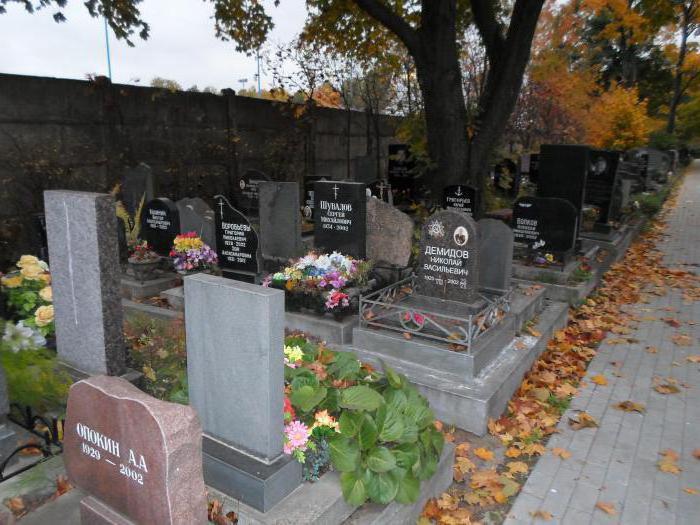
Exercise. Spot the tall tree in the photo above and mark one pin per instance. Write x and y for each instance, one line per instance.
(430, 30)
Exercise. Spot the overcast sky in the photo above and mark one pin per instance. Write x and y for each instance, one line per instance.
(181, 47)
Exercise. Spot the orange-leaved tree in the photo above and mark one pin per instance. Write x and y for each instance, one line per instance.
(617, 119)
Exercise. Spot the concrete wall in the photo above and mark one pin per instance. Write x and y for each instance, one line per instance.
(72, 134)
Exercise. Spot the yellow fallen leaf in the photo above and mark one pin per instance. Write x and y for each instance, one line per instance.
(561, 452)
(696, 453)
(667, 388)
(541, 515)
(447, 502)
(513, 452)
(484, 454)
(652, 349)
(583, 420)
(630, 406)
(693, 358)
(534, 449)
(517, 467)
(608, 508)
(691, 491)
(533, 332)
(682, 340)
(599, 379)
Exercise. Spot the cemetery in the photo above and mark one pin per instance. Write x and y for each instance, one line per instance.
(389, 287)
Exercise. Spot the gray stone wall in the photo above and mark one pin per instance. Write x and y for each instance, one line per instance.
(81, 135)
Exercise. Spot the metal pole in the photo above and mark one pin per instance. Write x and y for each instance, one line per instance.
(258, 60)
(109, 59)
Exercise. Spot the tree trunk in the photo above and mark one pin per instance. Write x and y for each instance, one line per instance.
(678, 74)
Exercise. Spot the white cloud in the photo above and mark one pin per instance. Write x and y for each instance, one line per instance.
(182, 45)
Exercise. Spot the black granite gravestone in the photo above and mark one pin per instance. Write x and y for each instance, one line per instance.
(341, 217)
(460, 198)
(160, 224)
(280, 220)
(534, 172)
(236, 240)
(247, 193)
(137, 184)
(562, 173)
(545, 224)
(448, 261)
(196, 216)
(601, 181)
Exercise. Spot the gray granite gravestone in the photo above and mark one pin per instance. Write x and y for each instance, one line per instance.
(448, 261)
(495, 255)
(138, 458)
(196, 216)
(137, 184)
(83, 250)
(389, 233)
(280, 219)
(235, 370)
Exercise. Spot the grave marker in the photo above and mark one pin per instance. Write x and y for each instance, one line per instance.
(341, 217)
(235, 370)
(448, 262)
(82, 238)
(495, 255)
(135, 455)
(545, 224)
(196, 216)
(160, 224)
(601, 182)
(459, 198)
(389, 234)
(280, 219)
(562, 173)
(137, 184)
(236, 240)
(247, 191)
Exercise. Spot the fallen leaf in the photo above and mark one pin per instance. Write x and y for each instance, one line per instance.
(693, 358)
(534, 449)
(652, 349)
(608, 508)
(691, 491)
(533, 332)
(682, 340)
(669, 462)
(462, 450)
(447, 502)
(514, 452)
(517, 467)
(484, 454)
(541, 515)
(431, 511)
(696, 453)
(667, 388)
(630, 406)
(561, 452)
(62, 485)
(16, 505)
(599, 379)
(583, 420)
(520, 345)
(672, 322)
(407, 336)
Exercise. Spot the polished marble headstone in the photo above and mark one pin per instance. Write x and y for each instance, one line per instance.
(160, 224)
(280, 219)
(196, 216)
(562, 173)
(460, 197)
(448, 261)
(495, 255)
(236, 240)
(135, 456)
(602, 181)
(247, 191)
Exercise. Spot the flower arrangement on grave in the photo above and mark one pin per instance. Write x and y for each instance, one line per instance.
(544, 259)
(320, 281)
(131, 223)
(376, 430)
(143, 252)
(190, 253)
(30, 296)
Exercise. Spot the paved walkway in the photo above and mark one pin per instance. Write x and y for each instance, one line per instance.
(617, 462)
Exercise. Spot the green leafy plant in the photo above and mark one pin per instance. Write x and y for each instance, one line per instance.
(131, 223)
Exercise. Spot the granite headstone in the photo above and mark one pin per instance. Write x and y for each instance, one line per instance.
(459, 198)
(235, 370)
(280, 219)
(247, 191)
(601, 182)
(341, 217)
(382, 191)
(389, 234)
(160, 224)
(236, 240)
(495, 255)
(308, 209)
(196, 216)
(82, 237)
(137, 184)
(545, 224)
(448, 261)
(562, 173)
(134, 455)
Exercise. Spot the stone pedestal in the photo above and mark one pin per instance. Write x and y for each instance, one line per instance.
(235, 368)
(94, 512)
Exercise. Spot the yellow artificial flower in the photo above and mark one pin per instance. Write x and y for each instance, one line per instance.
(32, 272)
(27, 260)
(43, 315)
(549, 257)
(324, 419)
(293, 353)
(46, 294)
(12, 282)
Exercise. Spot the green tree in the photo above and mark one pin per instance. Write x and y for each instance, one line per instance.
(431, 32)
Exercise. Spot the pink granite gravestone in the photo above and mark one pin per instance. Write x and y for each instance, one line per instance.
(140, 459)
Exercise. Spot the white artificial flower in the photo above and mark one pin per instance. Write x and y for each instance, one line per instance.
(20, 337)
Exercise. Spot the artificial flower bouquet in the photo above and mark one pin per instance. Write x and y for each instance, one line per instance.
(143, 253)
(30, 296)
(189, 253)
(320, 282)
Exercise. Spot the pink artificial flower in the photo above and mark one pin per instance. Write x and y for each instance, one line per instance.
(296, 436)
